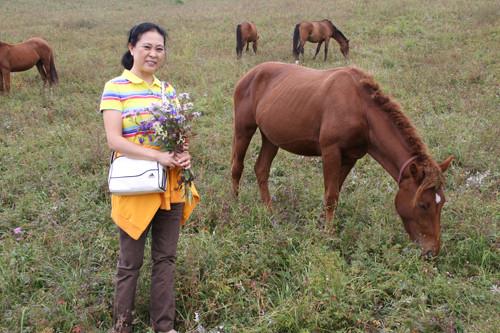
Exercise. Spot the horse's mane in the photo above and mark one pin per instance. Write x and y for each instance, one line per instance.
(432, 172)
(334, 29)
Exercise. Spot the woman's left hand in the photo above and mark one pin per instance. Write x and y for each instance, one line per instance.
(184, 159)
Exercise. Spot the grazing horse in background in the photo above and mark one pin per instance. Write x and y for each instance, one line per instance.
(23, 56)
(318, 32)
(339, 114)
(246, 33)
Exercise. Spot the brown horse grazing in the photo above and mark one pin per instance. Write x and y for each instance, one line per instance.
(318, 32)
(23, 56)
(246, 33)
(340, 115)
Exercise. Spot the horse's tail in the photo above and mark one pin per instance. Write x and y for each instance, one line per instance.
(239, 41)
(54, 78)
(296, 40)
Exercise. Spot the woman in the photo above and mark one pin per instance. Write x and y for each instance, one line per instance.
(163, 213)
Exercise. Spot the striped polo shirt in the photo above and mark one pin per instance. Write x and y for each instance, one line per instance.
(131, 96)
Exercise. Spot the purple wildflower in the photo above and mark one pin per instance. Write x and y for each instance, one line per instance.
(18, 231)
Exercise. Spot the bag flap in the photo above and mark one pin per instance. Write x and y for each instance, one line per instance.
(127, 167)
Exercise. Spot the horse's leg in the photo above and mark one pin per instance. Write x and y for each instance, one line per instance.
(326, 48)
(263, 166)
(248, 44)
(332, 172)
(317, 49)
(254, 46)
(241, 139)
(46, 68)
(6, 80)
(344, 171)
(42, 71)
(1, 81)
(301, 50)
(304, 36)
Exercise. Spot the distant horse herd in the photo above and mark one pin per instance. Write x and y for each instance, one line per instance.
(307, 31)
(36, 51)
(339, 114)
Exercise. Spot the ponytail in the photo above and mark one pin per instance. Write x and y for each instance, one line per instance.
(127, 60)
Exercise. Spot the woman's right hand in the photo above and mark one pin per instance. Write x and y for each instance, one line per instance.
(167, 159)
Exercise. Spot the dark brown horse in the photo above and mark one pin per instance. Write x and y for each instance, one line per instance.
(23, 56)
(340, 115)
(246, 33)
(318, 32)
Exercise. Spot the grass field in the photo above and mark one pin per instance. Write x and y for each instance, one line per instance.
(240, 266)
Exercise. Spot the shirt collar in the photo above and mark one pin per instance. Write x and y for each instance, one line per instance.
(137, 80)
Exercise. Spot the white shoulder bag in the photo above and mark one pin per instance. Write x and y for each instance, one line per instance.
(128, 176)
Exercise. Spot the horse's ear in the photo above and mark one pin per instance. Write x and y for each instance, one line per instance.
(446, 163)
(416, 172)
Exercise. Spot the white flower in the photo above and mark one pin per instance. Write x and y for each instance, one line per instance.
(477, 179)
(495, 289)
(187, 106)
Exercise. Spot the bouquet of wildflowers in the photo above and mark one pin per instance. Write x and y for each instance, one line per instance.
(170, 128)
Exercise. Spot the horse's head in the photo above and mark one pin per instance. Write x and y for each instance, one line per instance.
(344, 48)
(340, 38)
(419, 202)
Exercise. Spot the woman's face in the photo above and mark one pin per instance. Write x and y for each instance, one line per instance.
(148, 53)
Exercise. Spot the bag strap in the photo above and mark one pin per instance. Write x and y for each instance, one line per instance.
(112, 158)
(163, 96)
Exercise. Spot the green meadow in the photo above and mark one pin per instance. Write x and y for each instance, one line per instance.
(240, 267)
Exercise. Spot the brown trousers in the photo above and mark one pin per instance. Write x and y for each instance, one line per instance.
(165, 234)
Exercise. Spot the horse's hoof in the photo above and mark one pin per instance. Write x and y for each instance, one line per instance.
(296, 62)
(331, 231)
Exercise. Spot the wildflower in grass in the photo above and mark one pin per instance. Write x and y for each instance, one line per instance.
(18, 232)
(170, 128)
(495, 289)
(199, 328)
(477, 179)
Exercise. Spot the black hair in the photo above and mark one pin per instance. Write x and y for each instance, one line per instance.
(133, 37)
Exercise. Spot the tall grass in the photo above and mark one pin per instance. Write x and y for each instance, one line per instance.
(239, 265)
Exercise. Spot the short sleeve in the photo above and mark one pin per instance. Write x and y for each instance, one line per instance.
(111, 98)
